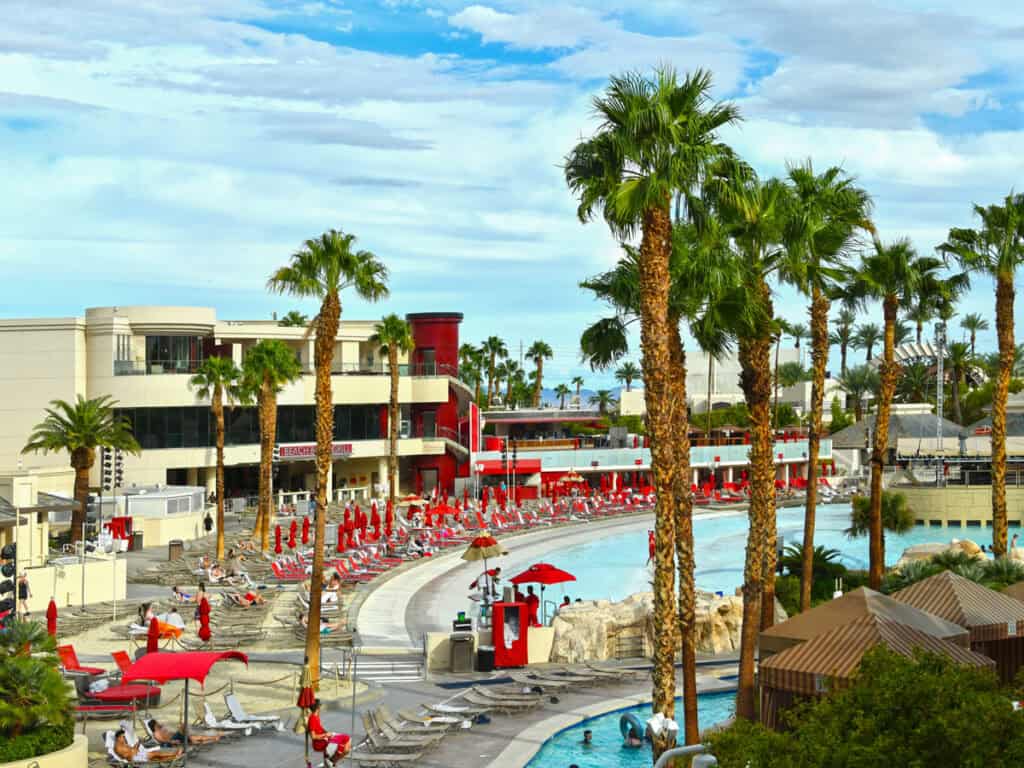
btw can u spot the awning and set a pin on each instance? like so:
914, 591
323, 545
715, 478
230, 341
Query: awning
495, 467
985, 613
191, 665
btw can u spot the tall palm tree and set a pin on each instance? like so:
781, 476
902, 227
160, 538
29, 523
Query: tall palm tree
293, 319
322, 269
858, 382
919, 313
562, 391
394, 336
80, 428
217, 380
538, 352
996, 250
603, 400
495, 349
901, 333
577, 381
797, 332
501, 373
627, 373
914, 380
865, 337
512, 372
958, 358
267, 368
843, 334
471, 367
972, 323
894, 275
654, 139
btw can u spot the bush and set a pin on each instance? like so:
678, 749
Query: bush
35, 743
925, 711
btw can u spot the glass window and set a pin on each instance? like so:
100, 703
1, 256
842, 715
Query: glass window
190, 427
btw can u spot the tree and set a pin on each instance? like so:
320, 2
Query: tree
866, 336
791, 373
627, 374
217, 380
901, 333
913, 383
959, 360
996, 250
603, 400
495, 349
843, 335
654, 139
798, 332
919, 313
266, 369
512, 373
80, 428
293, 319
394, 336
562, 391
972, 323
858, 383
538, 352
471, 367
897, 517
322, 269
893, 274
840, 418
577, 381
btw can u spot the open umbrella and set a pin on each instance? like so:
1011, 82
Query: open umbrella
51, 619
153, 636
543, 574
481, 548
204, 620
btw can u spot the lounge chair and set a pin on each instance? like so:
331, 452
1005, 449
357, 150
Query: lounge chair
528, 678
619, 673
69, 661
383, 760
563, 676
423, 722
239, 715
501, 705
224, 725
503, 694
452, 710
379, 742
396, 732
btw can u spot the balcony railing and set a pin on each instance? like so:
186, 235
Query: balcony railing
139, 368
416, 370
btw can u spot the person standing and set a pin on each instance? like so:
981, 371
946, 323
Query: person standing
24, 593
208, 523
532, 606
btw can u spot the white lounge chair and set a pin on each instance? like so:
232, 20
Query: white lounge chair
239, 715
223, 725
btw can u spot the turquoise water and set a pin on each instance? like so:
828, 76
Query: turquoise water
564, 749
615, 566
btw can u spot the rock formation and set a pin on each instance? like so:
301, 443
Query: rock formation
928, 551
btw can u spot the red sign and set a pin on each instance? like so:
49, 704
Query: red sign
983, 431
296, 451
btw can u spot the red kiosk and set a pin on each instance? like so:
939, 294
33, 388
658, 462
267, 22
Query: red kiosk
509, 626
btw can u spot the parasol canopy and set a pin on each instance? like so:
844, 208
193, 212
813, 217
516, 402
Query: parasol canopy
543, 573
191, 665
482, 547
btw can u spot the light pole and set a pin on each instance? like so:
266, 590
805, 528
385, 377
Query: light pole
940, 356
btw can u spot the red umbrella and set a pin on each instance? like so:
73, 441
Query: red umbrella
292, 531
465, 495
305, 530
389, 518
341, 537
277, 539
486, 496
51, 619
543, 574
204, 620
375, 521
153, 636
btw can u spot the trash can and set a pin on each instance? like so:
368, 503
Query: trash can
137, 541
485, 658
461, 651
175, 549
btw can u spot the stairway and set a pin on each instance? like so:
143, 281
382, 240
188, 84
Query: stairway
383, 669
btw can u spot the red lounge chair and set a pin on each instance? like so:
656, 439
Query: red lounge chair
69, 660
122, 659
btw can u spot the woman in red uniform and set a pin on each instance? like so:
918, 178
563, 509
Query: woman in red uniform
323, 740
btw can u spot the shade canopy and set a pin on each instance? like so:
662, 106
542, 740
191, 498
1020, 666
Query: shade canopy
483, 547
543, 573
851, 606
985, 613
191, 665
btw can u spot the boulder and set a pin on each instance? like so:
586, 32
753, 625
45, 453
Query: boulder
928, 551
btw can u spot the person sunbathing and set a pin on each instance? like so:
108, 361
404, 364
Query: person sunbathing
246, 600
179, 596
215, 573
168, 738
139, 753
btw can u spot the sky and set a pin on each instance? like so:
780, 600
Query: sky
177, 151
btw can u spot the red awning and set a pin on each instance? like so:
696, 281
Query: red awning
192, 665
494, 466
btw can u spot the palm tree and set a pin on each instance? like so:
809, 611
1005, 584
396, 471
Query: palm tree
501, 373
893, 274
897, 517
217, 380
538, 352
80, 428
394, 337
959, 360
843, 334
626, 374
322, 269
973, 323
562, 391
996, 250
293, 319
654, 139
791, 373
495, 349
471, 367
858, 382
512, 372
919, 313
267, 368
797, 332
913, 383
865, 337
603, 400
901, 333
577, 381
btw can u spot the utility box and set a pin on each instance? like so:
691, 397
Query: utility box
461, 651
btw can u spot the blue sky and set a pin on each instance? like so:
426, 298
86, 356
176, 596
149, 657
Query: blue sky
176, 151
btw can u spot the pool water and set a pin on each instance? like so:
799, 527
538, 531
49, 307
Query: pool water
564, 749
614, 566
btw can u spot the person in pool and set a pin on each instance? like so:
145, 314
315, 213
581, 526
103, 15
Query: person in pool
588, 738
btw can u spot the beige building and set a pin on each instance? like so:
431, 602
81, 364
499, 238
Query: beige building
144, 357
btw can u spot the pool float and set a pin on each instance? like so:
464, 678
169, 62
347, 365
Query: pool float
629, 724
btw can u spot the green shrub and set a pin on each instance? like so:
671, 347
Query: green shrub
39, 742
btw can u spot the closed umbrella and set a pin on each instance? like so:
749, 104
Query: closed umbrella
204, 620
389, 519
292, 532
51, 618
375, 521
305, 530
485, 496
277, 539
153, 636
306, 698
543, 574
341, 538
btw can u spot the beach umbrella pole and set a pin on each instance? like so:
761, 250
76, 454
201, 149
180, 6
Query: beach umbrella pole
185, 761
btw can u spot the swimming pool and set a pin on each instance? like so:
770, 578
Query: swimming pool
613, 567
564, 748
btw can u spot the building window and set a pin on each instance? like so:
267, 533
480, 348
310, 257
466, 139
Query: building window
123, 348
173, 354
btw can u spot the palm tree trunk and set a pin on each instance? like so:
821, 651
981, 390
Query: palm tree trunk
561, 403
711, 374
490, 381
778, 347
655, 334
819, 359
876, 543
920, 330
687, 605
973, 338
842, 358
218, 418
268, 434
537, 384
476, 390
326, 333
82, 460
1004, 332
393, 429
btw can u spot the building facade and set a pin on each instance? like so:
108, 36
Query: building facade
144, 357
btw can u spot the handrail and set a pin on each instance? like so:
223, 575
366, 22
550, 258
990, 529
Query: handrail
693, 749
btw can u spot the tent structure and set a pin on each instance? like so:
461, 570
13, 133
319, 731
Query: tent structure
994, 620
851, 606
1016, 591
830, 659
